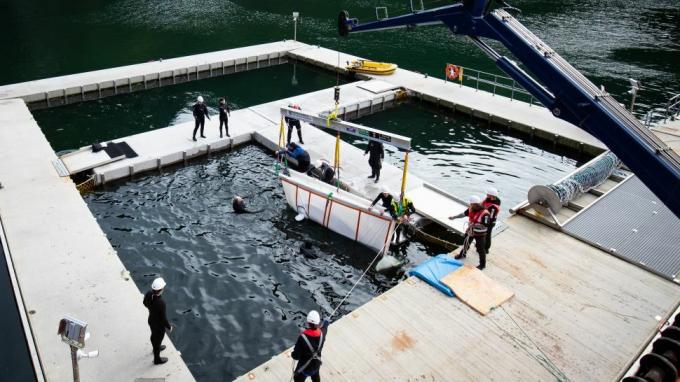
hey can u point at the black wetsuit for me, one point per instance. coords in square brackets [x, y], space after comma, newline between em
[224, 118]
[386, 202]
[292, 122]
[200, 113]
[158, 321]
[325, 173]
[306, 366]
[376, 153]
[239, 206]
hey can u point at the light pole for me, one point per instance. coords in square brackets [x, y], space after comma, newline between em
[295, 19]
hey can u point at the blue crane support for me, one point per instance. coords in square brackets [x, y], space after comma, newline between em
[566, 92]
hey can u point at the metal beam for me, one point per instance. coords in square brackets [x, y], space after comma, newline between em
[364, 132]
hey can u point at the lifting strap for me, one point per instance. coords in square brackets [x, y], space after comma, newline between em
[403, 177]
[315, 352]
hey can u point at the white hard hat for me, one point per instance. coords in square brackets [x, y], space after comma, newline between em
[318, 163]
[199, 99]
[492, 191]
[385, 189]
[313, 317]
[474, 199]
[158, 284]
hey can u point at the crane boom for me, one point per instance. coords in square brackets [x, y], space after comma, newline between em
[567, 93]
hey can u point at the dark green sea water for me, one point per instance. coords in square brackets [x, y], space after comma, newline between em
[238, 289]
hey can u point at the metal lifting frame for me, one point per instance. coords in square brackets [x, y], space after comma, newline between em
[562, 89]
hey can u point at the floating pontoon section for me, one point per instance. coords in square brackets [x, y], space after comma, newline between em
[338, 210]
[437, 205]
[86, 158]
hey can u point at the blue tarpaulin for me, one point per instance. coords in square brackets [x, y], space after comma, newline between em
[432, 270]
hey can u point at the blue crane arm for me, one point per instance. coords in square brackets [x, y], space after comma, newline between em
[567, 93]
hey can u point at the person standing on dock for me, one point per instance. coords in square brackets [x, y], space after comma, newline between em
[299, 154]
[376, 155]
[225, 113]
[492, 204]
[200, 114]
[292, 122]
[308, 347]
[158, 321]
[478, 219]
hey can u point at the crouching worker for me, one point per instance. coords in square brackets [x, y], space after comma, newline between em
[307, 350]
[298, 153]
[322, 171]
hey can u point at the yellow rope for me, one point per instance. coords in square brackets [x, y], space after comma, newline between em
[282, 135]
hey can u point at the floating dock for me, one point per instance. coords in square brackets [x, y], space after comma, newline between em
[578, 312]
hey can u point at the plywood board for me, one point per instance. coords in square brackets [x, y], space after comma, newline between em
[476, 289]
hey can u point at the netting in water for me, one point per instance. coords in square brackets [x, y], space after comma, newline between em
[589, 177]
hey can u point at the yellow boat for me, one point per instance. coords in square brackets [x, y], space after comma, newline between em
[371, 67]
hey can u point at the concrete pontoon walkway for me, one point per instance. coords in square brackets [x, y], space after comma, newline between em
[578, 314]
[519, 115]
[65, 265]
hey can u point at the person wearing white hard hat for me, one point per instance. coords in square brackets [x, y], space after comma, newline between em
[308, 347]
[158, 321]
[200, 114]
[492, 204]
[323, 171]
[385, 196]
[478, 223]
[376, 154]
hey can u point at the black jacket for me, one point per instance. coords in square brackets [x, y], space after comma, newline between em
[302, 353]
[156, 305]
[325, 173]
[386, 201]
[224, 112]
[200, 111]
[375, 152]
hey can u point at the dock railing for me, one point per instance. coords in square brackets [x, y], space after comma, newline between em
[669, 112]
[496, 84]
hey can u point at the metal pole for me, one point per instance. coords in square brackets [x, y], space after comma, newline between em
[295, 18]
[74, 363]
[632, 102]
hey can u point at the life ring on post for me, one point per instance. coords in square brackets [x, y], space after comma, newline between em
[452, 71]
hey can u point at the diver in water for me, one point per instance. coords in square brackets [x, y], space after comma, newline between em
[239, 205]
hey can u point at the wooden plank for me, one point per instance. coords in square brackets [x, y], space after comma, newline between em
[476, 289]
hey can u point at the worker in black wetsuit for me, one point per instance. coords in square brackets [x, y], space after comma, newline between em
[298, 153]
[308, 347]
[200, 114]
[322, 171]
[158, 321]
[376, 155]
[386, 198]
[478, 224]
[492, 204]
[292, 122]
[225, 113]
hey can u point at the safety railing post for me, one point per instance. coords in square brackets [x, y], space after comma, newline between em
[477, 80]
[495, 81]
[512, 94]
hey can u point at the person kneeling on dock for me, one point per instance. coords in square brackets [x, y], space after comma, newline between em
[322, 171]
[307, 350]
[478, 218]
[386, 198]
[298, 153]
[158, 321]
[492, 204]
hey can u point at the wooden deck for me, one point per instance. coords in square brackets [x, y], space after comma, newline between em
[578, 314]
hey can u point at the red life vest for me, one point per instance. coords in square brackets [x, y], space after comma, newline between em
[493, 207]
[476, 218]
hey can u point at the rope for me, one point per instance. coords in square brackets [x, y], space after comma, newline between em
[422, 236]
[365, 272]
[551, 367]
